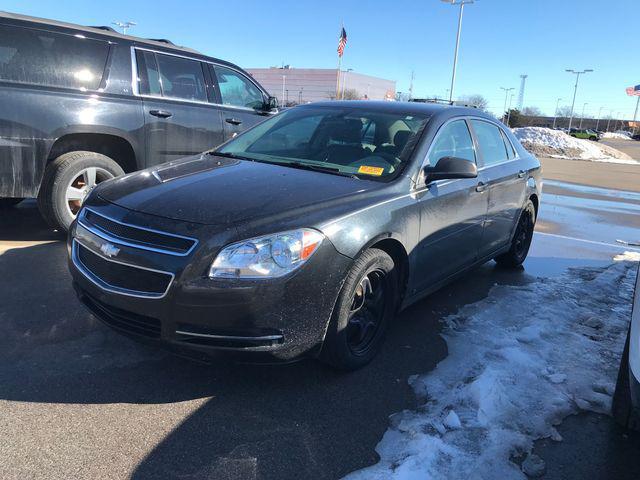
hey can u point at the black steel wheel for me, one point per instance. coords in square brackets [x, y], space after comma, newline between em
[363, 310]
[521, 239]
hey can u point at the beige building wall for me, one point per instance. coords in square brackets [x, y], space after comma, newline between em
[302, 85]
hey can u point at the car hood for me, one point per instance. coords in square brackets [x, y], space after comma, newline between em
[215, 190]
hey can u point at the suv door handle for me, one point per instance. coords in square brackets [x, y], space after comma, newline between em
[233, 121]
[481, 187]
[522, 173]
[160, 113]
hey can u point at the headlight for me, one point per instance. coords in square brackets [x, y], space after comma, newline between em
[266, 257]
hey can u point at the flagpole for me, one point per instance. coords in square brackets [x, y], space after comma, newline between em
[635, 115]
[338, 77]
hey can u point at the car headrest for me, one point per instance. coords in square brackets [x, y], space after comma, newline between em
[347, 130]
[401, 138]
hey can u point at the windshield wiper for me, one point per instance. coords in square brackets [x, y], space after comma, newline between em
[318, 168]
[229, 155]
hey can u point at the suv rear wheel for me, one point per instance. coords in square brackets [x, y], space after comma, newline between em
[68, 180]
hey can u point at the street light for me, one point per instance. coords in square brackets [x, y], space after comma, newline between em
[555, 113]
[609, 120]
[284, 84]
[124, 26]
[575, 89]
[344, 80]
[599, 115]
[509, 109]
[582, 117]
[462, 3]
[506, 95]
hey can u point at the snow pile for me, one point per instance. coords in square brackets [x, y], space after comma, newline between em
[555, 143]
[519, 362]
[620, 135]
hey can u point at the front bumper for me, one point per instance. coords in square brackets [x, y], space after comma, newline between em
[262, 320]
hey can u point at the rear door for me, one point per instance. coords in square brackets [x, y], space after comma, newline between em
[452, 211]
[180, 114]
[506, 183]
[241, 101]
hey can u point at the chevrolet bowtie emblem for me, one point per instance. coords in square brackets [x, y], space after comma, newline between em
[109, 250]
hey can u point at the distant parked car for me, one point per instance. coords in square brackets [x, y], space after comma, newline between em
[584, 134]
[81, 105]
[626, 400]
[303, 235]
[636, 136]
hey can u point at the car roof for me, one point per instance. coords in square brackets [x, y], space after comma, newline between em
[103, 31]
[407, 108]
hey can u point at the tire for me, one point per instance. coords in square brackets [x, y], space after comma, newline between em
[352, 339]
[72, 170]
[9, 202]
[622, 408]
[521, 239]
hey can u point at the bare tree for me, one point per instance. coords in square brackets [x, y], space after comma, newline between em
[564, 111]
[351, 94]
[531, 111]
[476, 100]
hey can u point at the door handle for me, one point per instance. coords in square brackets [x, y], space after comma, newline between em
[481, 187]
[522, 173]
[160, 113]
[233, 121]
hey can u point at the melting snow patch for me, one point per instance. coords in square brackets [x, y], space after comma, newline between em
[555, 143]
[519, 362]
[620, 135]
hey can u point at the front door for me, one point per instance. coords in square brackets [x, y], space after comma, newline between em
[505, 182]
[180, 120]
[242, 102]
[452, 211]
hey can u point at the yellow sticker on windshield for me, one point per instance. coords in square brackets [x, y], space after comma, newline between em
[377, 171]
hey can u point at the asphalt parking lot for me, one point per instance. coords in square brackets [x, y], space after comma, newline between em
[79, 401]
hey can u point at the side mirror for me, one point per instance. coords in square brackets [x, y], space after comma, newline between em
[270, 105]
[449, 168]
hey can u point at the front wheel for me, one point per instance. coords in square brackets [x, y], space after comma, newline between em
[364, 308]
[622, 408]
[521, 239]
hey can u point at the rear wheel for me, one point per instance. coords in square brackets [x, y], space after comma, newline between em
[9, 202]
[521, 239]
[68, 180]
[364, 308]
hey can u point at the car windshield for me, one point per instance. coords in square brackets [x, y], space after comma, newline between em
[339, 140]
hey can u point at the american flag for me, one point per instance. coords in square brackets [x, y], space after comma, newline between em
[634, 91]
[342, 42]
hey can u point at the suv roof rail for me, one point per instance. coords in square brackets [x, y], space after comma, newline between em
[162, 40]
[103, 27]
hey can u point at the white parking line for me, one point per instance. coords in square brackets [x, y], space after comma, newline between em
[593, 242]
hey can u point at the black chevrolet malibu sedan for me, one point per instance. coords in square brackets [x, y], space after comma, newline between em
[304, 235]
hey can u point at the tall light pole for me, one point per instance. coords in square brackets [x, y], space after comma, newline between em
[575, 90]
[124, 26]
[555, 113]
[284, 84]
[609, 120]
[582, 116]
[461, 3]
[509, 109]
[344, 80]
[506, 95]
[599, 115]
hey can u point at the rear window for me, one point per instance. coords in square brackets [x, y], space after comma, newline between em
[46, 58]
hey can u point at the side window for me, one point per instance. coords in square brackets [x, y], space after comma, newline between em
[511, 154]
[148, 75]
[453, 140]
[181, 78]
[490, 142]
[237, 90]
[45, 58]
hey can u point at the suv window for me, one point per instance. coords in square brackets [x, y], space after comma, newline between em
[181, 78]
[453, 140]
[490, 142]
[237, 90]
[45, 58]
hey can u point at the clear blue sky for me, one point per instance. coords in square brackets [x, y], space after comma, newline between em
[501, 39]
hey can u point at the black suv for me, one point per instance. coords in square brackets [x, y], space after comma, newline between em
[81, 105]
